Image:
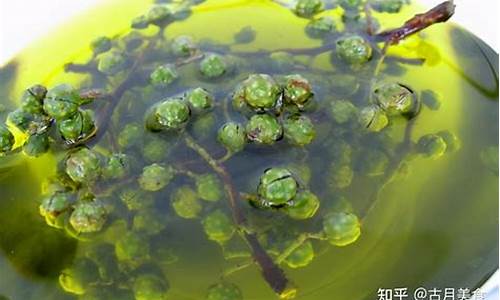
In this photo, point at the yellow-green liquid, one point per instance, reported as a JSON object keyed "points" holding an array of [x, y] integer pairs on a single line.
{"points": [[435, 227]]}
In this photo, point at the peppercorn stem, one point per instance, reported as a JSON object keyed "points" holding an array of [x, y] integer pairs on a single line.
{"points": [[271, 272], [394, 166]]}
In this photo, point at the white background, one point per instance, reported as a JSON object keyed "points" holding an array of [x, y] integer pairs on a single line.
{"points": [[23, 21]]}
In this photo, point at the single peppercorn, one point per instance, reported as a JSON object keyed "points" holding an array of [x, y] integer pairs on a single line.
{"points": [[213, 66], [88, 217], [299, 130], [304, 205], [373, 118], [200, 100], [163, 76], [6, 140], [183, 46], [353, 49], [185, 203], [341, 228], [259, 91], [111, 62], [297, 90], [264, 129], [218, 227], [308, 8], [155, 177], [277, 186], [172, 113], [232, 136], [83, 166], [224, 291]]}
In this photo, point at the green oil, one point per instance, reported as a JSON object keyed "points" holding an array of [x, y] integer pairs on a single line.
{"points": [[434, 224]]}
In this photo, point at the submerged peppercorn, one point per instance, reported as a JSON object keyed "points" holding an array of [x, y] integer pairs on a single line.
{"points": [[213, 66], [232, 136], [264, 129], [277, 186], [172, 113], [224, 291], [88, 217], [354, 50], [6, 140]]}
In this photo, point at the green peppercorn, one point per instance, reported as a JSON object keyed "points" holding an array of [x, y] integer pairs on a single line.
{"points": [[130, 136], [308, 8], [304, 205], [258, 91], [139, 22], [349, 4], [200, 100], [183, 46], [148, 221], [213, 66], [341, 228], [489, 158], [101, 45], [150, 287], [116, 166], [62, 102], [396, 99], [301, 257], [172, 113], [208, 187], [452, 141], [343, 111], [83, 166], [264, 129], [299, 130], [53, 207], [374, 163], [78, 127], [78, 278], [277, 186], [224, 291], [88, 217], [318, 28], [185, 203], [431, 99], [132, 247], [388, 6], [136, 199], [163, 76], [203, 127], [297, 90], [37, 144], [6, 140], [233, 136], [158, 14], [155, 177], [353, 49], [431, 146], [218, 227], [373, 118], [111, 62], [33, 103], [21, 119], [339, 177], [156, 150]]}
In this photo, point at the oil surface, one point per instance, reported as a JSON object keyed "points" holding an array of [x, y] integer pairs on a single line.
{"points": [[433, 225]]}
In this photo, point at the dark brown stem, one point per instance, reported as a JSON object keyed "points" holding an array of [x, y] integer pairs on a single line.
{"points": [[271, 272], [438, 14]]}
